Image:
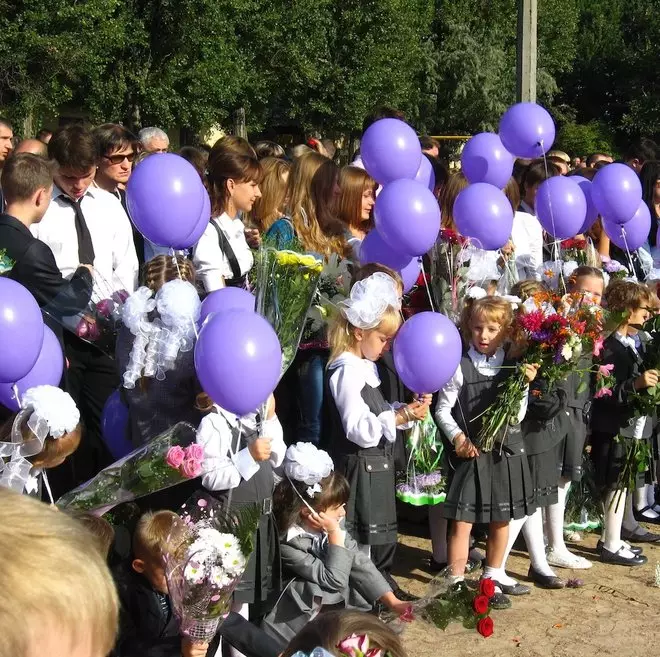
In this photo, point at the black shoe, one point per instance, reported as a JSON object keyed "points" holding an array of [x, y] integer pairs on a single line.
{"points": [[640, 517], [404, 595], [437, 567], [616, 558], [632, 548], [500, 601], [517, 589], [637, 537], [545, 581]]}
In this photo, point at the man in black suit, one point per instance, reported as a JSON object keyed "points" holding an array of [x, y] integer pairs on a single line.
{"points": [[27, 182]]}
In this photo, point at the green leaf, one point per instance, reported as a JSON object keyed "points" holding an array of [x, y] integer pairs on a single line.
{"points": [[582, 387]]}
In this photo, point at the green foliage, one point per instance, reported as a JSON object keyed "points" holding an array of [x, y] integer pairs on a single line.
{"points": [[583, 139]]}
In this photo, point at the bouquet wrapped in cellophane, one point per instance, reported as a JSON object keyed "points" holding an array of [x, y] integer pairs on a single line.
{"points": [[446, 601], [286, 283], [171, 458], [206, 557], [557, 332], [424, 483]]}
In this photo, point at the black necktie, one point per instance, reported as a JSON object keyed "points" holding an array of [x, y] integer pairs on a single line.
{"points": [[85, 246]]}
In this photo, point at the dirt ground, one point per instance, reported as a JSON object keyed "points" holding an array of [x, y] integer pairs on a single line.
{"points": [[615, 613]]}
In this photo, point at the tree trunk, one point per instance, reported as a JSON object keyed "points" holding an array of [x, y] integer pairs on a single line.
{"points": [[240, 129]]}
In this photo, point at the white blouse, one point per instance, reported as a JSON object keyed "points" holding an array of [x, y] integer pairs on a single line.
{"points": [[448, 396], [349, 376], [527, 238], [219, 434], [211, 264]]}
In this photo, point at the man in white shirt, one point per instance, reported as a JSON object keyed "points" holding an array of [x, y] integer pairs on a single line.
{"points": [[85, 224]]}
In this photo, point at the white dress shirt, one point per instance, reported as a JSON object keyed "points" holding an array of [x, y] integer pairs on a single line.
{"points": [[211, 263], [448, 396], [349, 375], [224, 466], [115, 261], [527, 238]]}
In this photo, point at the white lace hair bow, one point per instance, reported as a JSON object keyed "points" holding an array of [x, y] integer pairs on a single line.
{"points": [[369, 300], [305, 463], [49, 412], [157, 343]]}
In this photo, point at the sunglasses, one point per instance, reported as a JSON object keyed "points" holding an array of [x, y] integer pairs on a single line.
{"points": [[118, 159]]}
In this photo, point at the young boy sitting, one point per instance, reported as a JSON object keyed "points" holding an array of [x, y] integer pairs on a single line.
{"points": [[148, 627]]}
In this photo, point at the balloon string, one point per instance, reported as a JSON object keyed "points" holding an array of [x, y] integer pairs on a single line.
{"points": [[44, 476], [630, 260], [426, 283], [175, 260], [17, 397]]}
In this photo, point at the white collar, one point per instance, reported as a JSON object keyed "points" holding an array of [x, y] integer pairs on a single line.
{"points": [[487, 361], [92, 191], [233, 420], [367, 367], [295, 531], [626, 340]]}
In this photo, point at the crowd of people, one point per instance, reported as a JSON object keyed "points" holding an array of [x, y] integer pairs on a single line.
{"points": [[322, 463]]}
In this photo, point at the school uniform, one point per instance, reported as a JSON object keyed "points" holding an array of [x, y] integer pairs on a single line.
{"points": [[360, 435], [496, 486], [614, 415], [322, 576], [222, 257], [236, 479], [543, 427]]}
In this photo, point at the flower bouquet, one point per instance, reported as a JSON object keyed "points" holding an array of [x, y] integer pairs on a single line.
{"points": [[447, 277], [574, 250], [424, 483], [169, 459], [614, 269], [447, 601], [557, 332], [286, 282], [205, 559], [584, 512]]}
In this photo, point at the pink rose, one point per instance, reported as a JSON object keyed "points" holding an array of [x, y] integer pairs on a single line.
{"points": [[195, 452], [603, 392], [175, 457], [606, 370], [598, 346], [353, 644], [191, 468]]}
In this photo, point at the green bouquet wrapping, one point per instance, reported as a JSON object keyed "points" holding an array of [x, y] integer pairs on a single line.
{"points": [[424, 483], [171, 458], [286, 283]]}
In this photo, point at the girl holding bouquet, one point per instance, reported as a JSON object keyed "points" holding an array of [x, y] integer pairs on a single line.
{"points": [[327, 567], [362, 426], [486, 487], [614, 417], [239, 457]]}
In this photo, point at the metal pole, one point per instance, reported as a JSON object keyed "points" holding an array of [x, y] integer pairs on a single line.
{"points": [[526, 51], [240, 129]]}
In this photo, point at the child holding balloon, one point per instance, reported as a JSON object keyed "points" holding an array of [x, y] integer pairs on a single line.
{"points": [[361, 424], [485, 487]]}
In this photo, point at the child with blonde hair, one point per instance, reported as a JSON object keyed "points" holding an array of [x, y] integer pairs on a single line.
{"points": [[361, 425], [485, 487]]}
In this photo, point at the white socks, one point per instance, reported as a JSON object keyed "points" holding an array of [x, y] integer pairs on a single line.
{"points": [[555, 520], [612, 522], [533, 533], [438, 529], [645, 496], [514, 530]]}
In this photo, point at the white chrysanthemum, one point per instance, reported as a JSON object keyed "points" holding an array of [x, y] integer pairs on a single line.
{"points": [[220, 577], [567, 352], [194, 572]]}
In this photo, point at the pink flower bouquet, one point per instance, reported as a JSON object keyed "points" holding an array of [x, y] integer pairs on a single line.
{"points": [[169, 459]]}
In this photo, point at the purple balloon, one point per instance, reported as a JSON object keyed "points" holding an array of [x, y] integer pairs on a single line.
{"points": [[425, 173], [633, 233], [483, 213], [407, 216], [427, 350], [166, 198], [592, 211], [114, 426], [375, 249], [47, 371], [616, 192], [409, 274], [200, 226], [390, 150], [21, 331], [484, 159], [238, 360], [561, 207], [227, 298], [527, 130]]}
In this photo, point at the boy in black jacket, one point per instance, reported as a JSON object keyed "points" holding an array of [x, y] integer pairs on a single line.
{"points": [[148, 626]]}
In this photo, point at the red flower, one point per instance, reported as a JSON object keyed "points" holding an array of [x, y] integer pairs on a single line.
{"points": [[480, 604], [487, 588], [485, 626], [531, 322]]}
